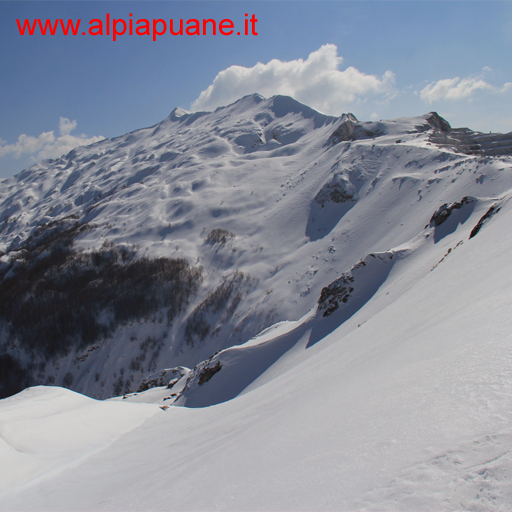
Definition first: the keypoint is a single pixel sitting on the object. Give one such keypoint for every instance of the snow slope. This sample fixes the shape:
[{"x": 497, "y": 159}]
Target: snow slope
[
  {"x": 407, "y": 405},
  {"x": 266, "y": 200}
]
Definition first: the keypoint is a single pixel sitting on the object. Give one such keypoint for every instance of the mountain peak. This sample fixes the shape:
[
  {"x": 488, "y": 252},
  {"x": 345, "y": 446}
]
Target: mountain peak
[
  {"x": 435, "y": 120},
  {"x": 177, "y": 113}
]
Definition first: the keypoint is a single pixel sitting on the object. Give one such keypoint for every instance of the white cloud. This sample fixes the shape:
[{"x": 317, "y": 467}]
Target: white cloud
[
  {"x": 47, "y": 145},
  {"x": 453, "y": 89},
  {"x": 66, "y": 126},
  {"x": 316, "y": 81}
]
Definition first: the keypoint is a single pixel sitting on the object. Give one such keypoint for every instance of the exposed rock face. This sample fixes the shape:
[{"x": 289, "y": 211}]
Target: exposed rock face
[
  {"x": 167, "y": 377},
  {"x": 208, "y": 372},
  {"x": 446, "y": 210},
  {"x": 338, "y": 291},
  {"x": 437, "y": 122},
  {"x": 358, "y": 284},
  {"x": 464, "y": 140},
  {"x": 337, "y": 190},
  {"x": 345, "y": 130},
  {"x": 493, "y": 210}
]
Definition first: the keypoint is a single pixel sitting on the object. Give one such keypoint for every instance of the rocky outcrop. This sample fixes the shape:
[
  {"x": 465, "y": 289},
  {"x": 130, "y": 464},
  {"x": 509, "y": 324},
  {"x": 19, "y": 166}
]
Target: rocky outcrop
[
  {"x": 489, "y": 214},
  {"x": 338, "y": 291},
  {"x": 442, "y": 214},
  {"x": 208, "y": 372},
  {"x": 344, "y": 132},
  {"x": 358, "y": 284},
  {"x": 166, "y": 377},
  {"x": 337, "y": 190}
]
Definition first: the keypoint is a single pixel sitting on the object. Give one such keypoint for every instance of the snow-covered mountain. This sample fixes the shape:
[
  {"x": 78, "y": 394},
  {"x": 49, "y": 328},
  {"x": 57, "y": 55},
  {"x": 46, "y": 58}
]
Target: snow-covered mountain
[
  {"x": 330, "y": 299},
  {"x": 163, "y": 246}
]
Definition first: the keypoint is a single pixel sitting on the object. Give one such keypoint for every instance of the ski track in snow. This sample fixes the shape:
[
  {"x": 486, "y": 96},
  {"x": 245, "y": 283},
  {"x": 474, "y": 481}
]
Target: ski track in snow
[{"x": 473, "y": 476}]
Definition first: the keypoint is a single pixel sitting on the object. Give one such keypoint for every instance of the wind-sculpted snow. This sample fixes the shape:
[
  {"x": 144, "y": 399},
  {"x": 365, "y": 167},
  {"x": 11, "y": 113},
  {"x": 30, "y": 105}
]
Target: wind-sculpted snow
[
  {"x": 267, "y": 189},
  {"x": 44, "y": 430}
]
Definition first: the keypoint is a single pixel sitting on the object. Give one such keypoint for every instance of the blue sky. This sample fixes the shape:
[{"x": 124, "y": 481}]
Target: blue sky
[{"x": 376, "y": 59}]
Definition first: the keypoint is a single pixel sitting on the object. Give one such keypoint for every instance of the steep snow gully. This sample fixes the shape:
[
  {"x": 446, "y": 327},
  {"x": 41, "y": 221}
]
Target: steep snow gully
[{"x": 270, "y": 308}]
